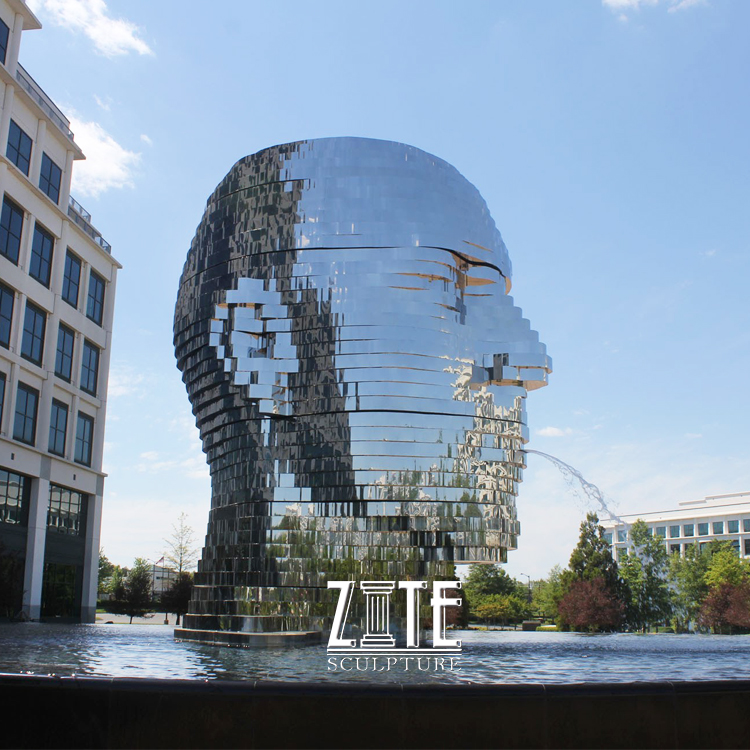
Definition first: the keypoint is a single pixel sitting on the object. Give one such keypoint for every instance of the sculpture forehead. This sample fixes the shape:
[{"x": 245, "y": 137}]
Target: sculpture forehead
[{"x": 349, "y": 193}]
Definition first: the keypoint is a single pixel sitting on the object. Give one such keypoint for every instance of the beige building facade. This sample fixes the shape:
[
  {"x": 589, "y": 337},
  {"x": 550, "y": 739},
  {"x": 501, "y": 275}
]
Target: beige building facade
[{"x": 57, "y": 293}]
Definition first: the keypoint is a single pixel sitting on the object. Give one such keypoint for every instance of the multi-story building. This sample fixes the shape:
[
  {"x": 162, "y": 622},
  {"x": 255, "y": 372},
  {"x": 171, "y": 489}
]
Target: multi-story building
[
  {"x": 57, "y": 291},
  {"x": 722, "y": 517}
]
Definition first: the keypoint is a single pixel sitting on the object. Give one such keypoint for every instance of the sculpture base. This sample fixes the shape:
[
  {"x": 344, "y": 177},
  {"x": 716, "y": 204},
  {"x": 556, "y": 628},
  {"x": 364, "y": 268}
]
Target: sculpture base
[{"x": 280, "y": 639}]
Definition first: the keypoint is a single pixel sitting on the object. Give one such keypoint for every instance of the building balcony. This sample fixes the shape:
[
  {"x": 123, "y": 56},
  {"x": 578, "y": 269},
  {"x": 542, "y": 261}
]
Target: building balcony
[
  {"x": 36, "y": 92},
  {"x": 83, "y": 218}
]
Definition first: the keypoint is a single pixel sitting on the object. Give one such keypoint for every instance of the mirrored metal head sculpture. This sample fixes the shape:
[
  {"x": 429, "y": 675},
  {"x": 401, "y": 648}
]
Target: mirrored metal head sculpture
[{"x": 358, "y": 374}]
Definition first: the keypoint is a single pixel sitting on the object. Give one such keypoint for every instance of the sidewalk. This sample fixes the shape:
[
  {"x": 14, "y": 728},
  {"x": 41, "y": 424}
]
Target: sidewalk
[{"x": 156, "y": 618}]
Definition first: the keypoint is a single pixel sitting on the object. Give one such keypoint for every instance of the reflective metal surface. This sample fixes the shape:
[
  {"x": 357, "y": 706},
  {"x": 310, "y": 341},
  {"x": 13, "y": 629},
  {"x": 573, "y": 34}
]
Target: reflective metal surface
[{"x": 358, "y": 374}]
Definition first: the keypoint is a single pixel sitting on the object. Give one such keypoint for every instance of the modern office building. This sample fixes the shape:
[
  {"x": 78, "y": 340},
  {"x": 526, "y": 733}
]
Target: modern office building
[
  {"x": 722, "y": 517},
  {"x": 358, "y": 372},
  {"x": 57, "y": 291}
]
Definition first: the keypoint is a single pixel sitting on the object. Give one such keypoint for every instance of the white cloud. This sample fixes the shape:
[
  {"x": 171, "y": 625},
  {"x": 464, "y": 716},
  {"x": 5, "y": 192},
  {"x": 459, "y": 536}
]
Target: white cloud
[
  {"x": 150, "y": 455},
  {"x": 105, "y": 104},
  {"x": 146, "y": 140},
  {"x": 108, "y": 165},
  {"x": 554, "y": 432},
  {"x": 111, "y": 36},
  {"x": 709, "y": 253},
  {"x": 623, "y": 7},
  {"x": 124, "y": 381}
]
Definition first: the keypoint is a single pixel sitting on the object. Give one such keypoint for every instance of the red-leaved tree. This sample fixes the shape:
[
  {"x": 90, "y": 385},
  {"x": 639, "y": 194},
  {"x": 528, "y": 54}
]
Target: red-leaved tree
[
  {"x": 726, "y": 608},
  {"x": 590, "y": 605}
]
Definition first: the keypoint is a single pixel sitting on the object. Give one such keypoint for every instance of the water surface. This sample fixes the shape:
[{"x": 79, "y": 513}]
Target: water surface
[{"x": 489, "y": 657}]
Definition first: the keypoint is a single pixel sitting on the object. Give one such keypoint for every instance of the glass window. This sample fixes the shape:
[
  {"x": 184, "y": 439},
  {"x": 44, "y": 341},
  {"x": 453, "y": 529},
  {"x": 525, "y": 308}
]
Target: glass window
[
  {"x": 64, "y": 355},
  {"x": 40, "y": 263},
  {"x": 11, "y": 226},
  {"x": 608, "y": 537},
  {"x": 59, "y": 585},
  {"x": 736, "y": 545},
  {"x": 84, "y": 436},
  {"x": 58, "y": 426},
  {"x": 688, "y": 529},
  {"x": 733, "y": 527},
  {"x": 24, "y": 426},
  {"x": 67, "y": 510},
  {"x": 49, "y": 178},
  {"x": 32, "y": 343},
  {"x": 19, "y": 148},
  {"x": 674, "y": 531},
  {"x": 15, "y": 490},
  {"x": 702, "y": 529},
  {"x": 674, "y": 549},
  {"x": 7, "y": 297},
  {"x": 71, "y": 279},
  {"x": 661, "y": 531},
  {"x": 650, "y": 531},
  {"x": 4, "y": 34},
  {"x": 718, "y": 527},
  {"x": 95, "y": 302},
  {"x": 746, "y": 524},
  {"x": 2, "y": 393},
  {"x": 89, "y": 367},
  {"x": 622, "y": 535},
  {"x": 747, "y": 546}
]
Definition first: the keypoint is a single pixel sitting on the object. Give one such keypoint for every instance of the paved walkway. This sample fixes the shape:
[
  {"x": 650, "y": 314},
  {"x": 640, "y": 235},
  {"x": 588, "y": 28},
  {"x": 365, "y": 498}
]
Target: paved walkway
[{"x": 157, "y": 618}]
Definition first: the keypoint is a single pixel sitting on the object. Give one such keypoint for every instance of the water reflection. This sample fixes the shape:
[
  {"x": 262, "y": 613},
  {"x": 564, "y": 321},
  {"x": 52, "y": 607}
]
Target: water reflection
[{"x": 489, "y": 657}]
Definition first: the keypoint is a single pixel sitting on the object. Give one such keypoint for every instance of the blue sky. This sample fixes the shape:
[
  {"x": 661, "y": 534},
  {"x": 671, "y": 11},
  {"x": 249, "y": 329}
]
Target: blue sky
[{"x": 609, "y": 140}]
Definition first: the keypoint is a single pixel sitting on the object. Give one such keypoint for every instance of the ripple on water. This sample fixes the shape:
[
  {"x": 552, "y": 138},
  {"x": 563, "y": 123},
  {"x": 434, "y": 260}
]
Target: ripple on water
[{"x": 489, "y": 657}]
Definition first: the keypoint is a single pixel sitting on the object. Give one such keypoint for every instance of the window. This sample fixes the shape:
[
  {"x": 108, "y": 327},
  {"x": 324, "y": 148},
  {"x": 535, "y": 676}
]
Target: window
[
  {"x": 650, "y": 531},
  {"x": 736, "y": 546},
  {"x": 622, "y": 536},
  {"x": 15, "y": 490},
  {"x": 71, "y": 279},
  {"x": 89, "y": 367},
  {"x": 67, "y": 510},
  {"x": 608, "y": 537},
  {"x": 688, "y": 529},
  {"x": 95, "y": 302},
  {"x": 747, "y": 546},
  {"x": 64, "y": 356},
  {"x": 2, "y": 393},
  {"x": 58, "y": 426},
  {"x": 718, "y": 527},
  {"x": 84, "y": 434},
  {"x": 661, "y": 531},
  {"x": 746, "y": 524},
  {"x": 4, "y": 34},
  {"x": 733, "y": 527},
  {"x": 32, "y": 343},
  {"x": 7, "y": 297},
  {"x": 702, "y": 529},
  {"x": 19, "y": 148},
  {"x": 11, "y": 226},
  {"x": 49, "y": 178},
  {"x": 674, "y": 531},
  {"x": 27, "y": 401},
  {"x": 40, "y": 264},
  {"x": 674, "y": 549}
]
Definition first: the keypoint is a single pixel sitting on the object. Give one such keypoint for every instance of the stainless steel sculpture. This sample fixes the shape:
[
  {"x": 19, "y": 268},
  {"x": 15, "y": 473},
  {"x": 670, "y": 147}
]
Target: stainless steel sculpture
[{"x": 358, "y": 374}]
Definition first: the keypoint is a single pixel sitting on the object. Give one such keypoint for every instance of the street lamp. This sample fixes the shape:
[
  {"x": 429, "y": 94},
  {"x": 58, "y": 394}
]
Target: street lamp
[{"x": 529, "y": 577}]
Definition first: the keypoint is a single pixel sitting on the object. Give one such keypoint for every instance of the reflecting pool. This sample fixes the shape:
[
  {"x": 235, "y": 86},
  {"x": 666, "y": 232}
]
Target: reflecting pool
[{"x": 489, "y": 657}]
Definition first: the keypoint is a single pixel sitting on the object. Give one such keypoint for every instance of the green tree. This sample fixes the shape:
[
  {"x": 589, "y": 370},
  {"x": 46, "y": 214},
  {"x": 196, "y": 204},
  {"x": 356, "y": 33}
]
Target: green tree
[
  {"x": 644, "y": 568},
  {"x": 725, "y": 566},
  {"x": 181, "y": 553},
  {"x": 592, "y": 557},
  {"x": 106, "y": 569},
  {"x": 484, "y": 580},
  {"x": 687, "y": 576},
  {"x": 133, "y": 593},
  {"x": 177, "y": 598},
  {"x": 548, "y": 593}
]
